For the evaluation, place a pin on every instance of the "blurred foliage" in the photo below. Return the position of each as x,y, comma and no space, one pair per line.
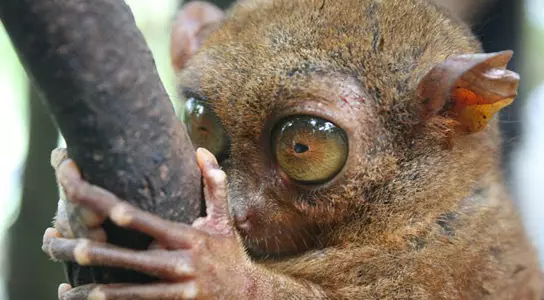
38,193
533,55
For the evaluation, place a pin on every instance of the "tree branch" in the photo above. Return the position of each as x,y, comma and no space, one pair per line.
100,83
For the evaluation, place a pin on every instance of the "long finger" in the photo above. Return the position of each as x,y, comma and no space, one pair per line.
123,214
215,185
159,263
73,220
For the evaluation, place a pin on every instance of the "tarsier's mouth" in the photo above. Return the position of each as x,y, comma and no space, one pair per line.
266,249
278,243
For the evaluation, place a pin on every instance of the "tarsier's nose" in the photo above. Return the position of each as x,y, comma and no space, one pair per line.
243,220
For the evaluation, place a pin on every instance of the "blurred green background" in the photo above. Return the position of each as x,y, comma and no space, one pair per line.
28,193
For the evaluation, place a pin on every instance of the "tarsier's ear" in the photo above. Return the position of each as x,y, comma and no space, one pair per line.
194,22
470,89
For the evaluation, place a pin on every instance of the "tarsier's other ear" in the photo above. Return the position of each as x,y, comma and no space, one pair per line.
194,22
470,89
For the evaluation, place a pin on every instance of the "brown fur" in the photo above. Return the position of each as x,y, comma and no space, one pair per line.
411,216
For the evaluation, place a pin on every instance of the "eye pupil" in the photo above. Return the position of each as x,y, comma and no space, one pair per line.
300,148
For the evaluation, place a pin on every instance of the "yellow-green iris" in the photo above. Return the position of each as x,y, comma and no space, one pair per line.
309,149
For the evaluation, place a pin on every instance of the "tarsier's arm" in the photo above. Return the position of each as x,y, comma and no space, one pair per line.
363,247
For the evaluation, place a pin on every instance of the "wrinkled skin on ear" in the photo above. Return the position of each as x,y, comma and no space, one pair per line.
470,89
195,21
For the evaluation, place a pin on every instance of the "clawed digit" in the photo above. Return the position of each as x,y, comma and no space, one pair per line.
171,234
161,263
217,220
170,258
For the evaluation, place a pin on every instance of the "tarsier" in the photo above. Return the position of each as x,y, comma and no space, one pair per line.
352,153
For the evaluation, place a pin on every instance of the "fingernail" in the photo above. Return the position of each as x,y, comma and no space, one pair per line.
81,253
63,288
206,159
67,175
96,294
120,214
58,156
48,234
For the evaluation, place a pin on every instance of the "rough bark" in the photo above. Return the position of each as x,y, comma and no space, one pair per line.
100,83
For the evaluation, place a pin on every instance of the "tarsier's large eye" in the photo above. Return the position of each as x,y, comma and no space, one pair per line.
204,128
309,150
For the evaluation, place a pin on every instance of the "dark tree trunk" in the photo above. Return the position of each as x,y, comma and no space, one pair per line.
31,274
100,83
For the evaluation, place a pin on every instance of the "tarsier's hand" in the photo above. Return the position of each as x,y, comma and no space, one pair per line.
202,261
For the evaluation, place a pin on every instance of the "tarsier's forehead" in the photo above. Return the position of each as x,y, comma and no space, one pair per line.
395,33
255,52
324,23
